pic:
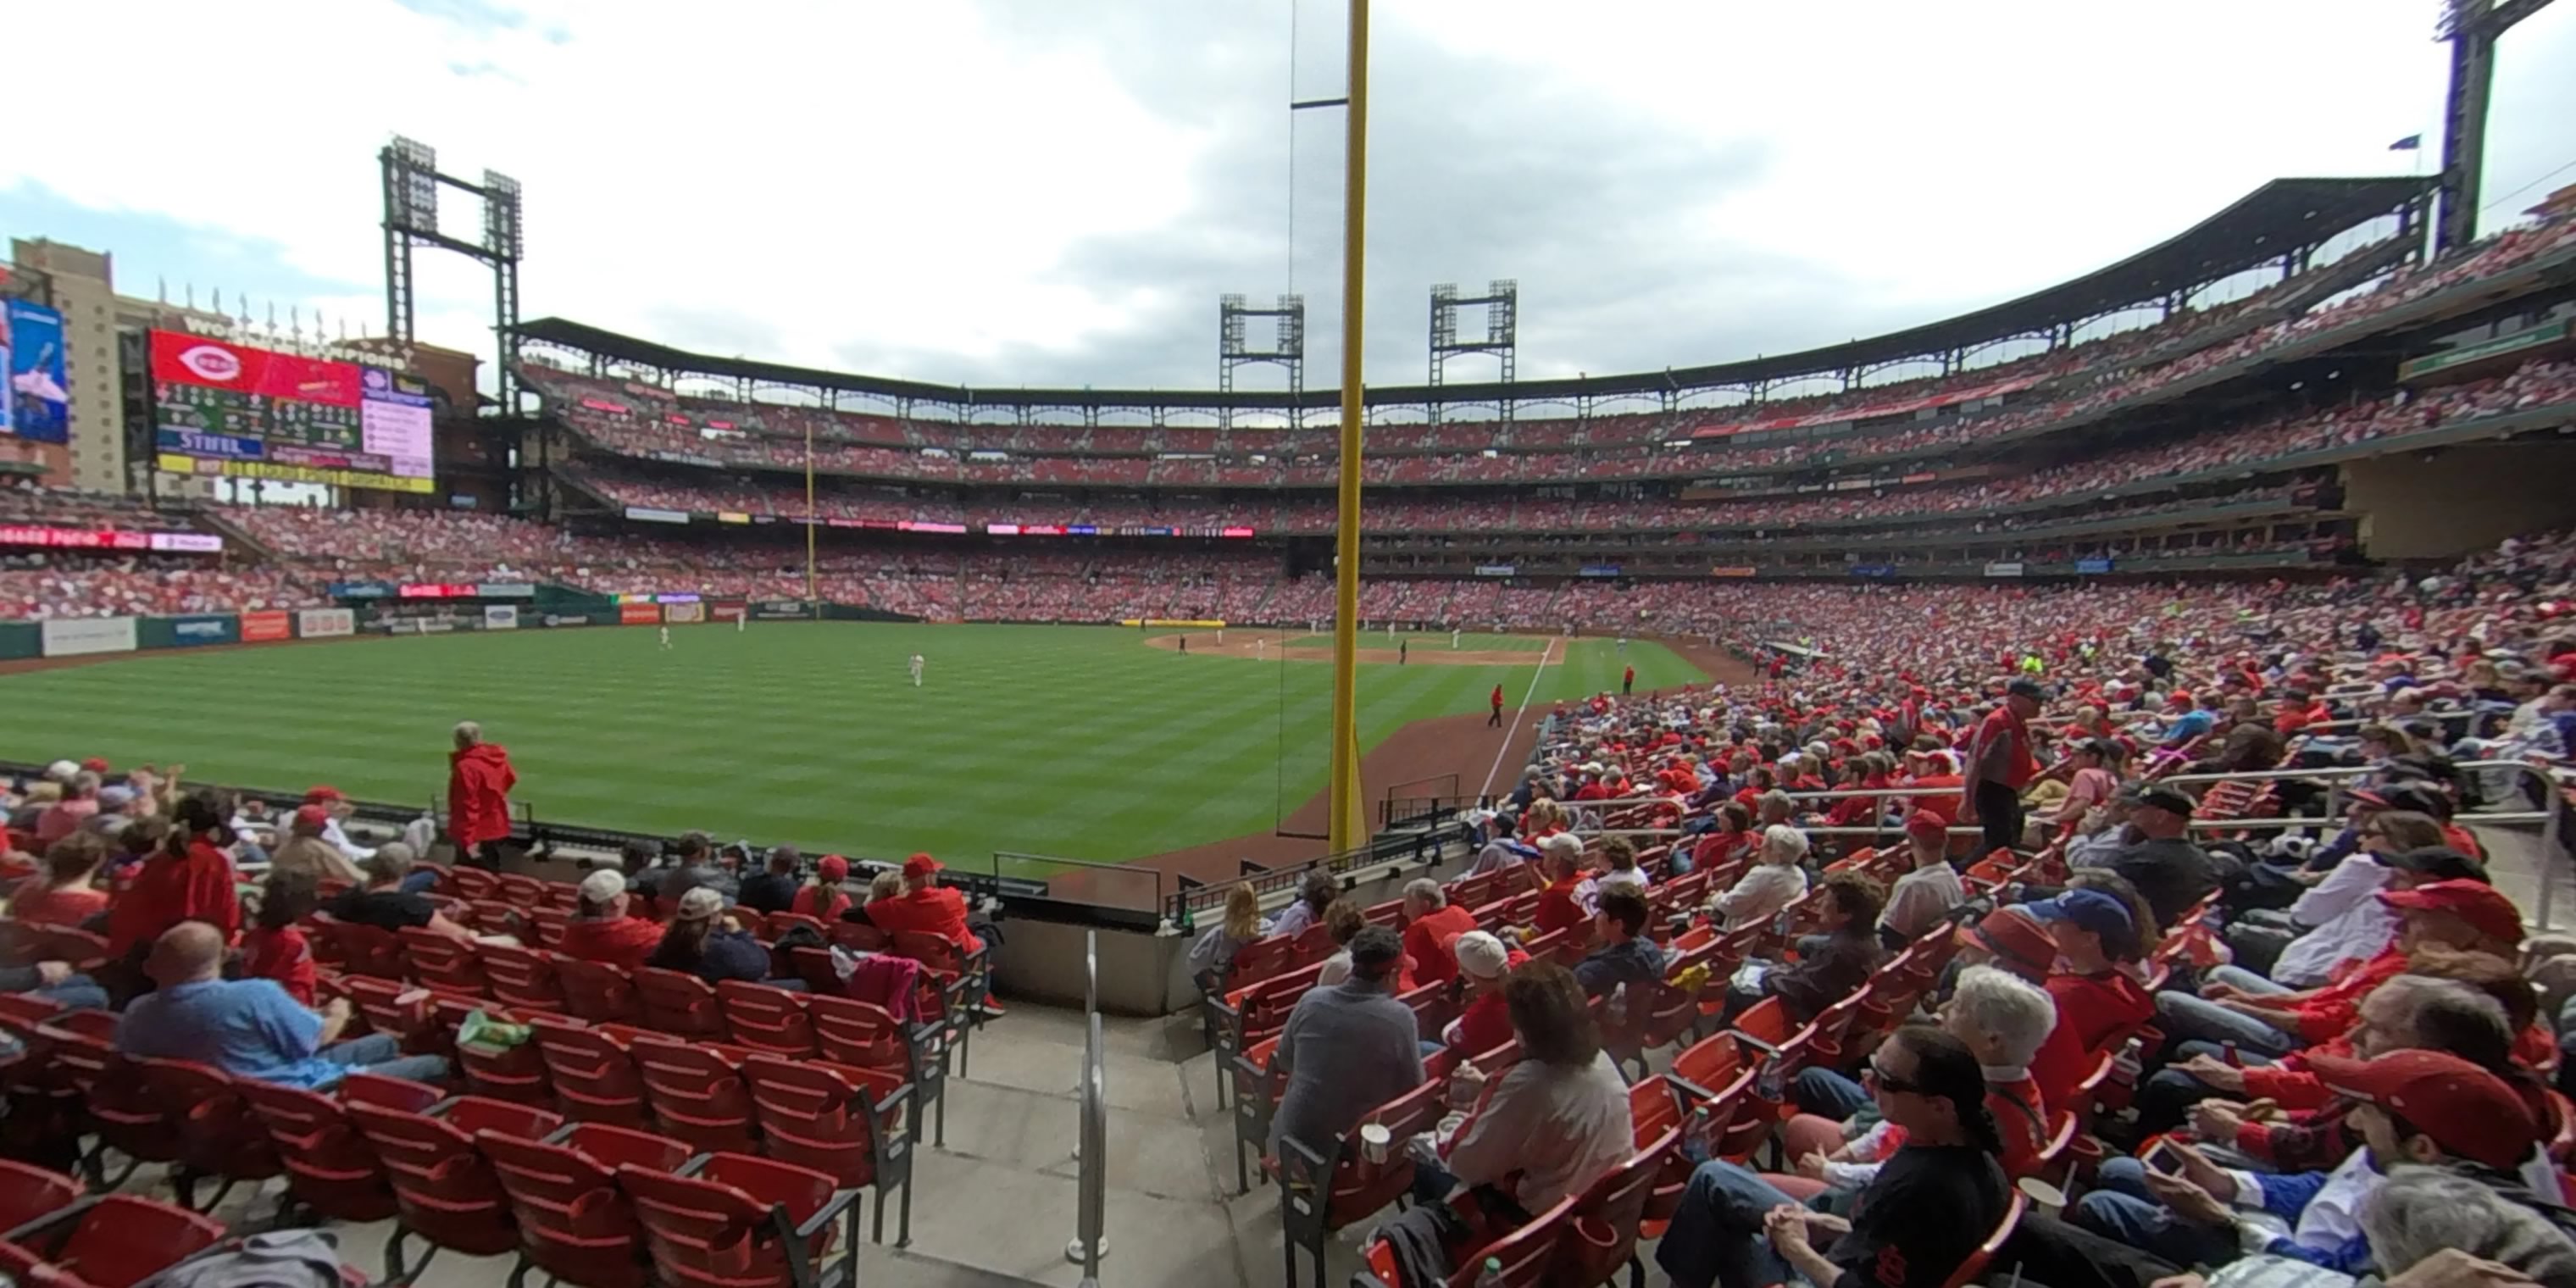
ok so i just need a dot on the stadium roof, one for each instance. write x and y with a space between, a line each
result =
2280 217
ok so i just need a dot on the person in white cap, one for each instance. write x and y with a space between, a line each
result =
1483 1023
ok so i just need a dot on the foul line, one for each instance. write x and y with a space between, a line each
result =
1545 656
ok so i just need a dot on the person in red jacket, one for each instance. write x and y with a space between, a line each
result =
925 906
479 779
1432 926
190 879
600 931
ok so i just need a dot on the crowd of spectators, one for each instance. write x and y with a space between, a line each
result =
1983 404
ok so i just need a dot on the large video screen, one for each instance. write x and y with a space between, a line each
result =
34 401
244 412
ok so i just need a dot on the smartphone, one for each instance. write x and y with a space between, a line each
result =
2164 1159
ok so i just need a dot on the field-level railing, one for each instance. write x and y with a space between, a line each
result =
1113 885
1192 898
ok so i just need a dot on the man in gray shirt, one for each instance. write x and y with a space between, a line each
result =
1347 1048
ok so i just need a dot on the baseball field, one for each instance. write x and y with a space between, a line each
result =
1083 742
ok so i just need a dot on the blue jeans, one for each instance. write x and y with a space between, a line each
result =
75 993
1716 1235
2186 1017
381 1054
2117 1208
1827 1094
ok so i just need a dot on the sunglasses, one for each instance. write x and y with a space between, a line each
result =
1888 1082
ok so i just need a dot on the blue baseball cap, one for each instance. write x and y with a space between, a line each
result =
2089 909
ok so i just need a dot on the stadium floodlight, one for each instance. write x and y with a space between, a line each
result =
501 233
1234 346
2471 28
411 182
1501 302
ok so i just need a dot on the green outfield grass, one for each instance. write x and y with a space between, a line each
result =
1075 741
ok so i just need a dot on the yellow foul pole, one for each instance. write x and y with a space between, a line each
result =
1349 828
810 520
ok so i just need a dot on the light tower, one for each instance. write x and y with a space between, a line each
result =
1287 348
411 183
2471 27
1502 304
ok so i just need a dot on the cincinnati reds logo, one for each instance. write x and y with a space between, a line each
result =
211 362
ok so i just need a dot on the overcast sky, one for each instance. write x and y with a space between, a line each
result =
1053 192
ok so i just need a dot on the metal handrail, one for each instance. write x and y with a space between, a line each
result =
1091 1240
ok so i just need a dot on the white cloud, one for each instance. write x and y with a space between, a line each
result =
954 191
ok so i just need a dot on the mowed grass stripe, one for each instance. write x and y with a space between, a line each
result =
1075 741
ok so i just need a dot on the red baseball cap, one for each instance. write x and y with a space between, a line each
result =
2475 902
832 867
1926 824
95 764
2017 940
317 795
920 865
312 816
2465 1109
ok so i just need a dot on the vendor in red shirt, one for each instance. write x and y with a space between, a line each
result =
190 879
479 779
925 906
2000 765
1432 924
600 930
1483 1023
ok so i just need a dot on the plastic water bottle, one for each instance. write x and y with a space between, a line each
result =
1492 1276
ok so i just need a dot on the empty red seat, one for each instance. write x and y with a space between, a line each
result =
361 950
853 1125
521 978
444 1189
594 1077
765 1018
219 1136
28 1191
442 962
695 1091
112 1242
574 1223
330 1168
677 1002
721 1227
598 993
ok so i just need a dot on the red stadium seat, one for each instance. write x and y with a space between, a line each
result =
597 993
444 1189
574 1222
695 1091
115 1241
765 1018
331 1170
853 1125
593 1075
679 1003
741 1222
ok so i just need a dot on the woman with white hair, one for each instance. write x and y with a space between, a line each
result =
2002 1019
1775 881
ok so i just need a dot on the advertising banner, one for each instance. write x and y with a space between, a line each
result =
2091 566
690 612
780 610
74 636
204 628
1732 572
2003 570
1599 570
38 404
729 610
1873 570
566 619
268 627
1496 570
325 623
359 590
645 514
638 614
181 359
505 590
500 617
28 534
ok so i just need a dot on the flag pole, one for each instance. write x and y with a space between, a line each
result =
1348 829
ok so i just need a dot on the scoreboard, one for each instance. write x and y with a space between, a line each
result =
243 412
